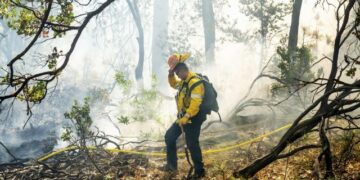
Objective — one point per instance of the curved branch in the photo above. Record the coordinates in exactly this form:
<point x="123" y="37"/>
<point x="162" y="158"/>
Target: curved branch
<point x="37" y="35"/>
<point x="293" y="152"/>
<point x="55" y="72"/>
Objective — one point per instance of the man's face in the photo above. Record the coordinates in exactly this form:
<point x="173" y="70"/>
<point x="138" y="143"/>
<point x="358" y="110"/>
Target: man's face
<point x="182" y="73"/>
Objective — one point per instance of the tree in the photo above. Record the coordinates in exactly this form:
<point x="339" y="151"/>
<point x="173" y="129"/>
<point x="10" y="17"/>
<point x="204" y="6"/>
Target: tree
<point x="269" y="14"/>
<point x="295" y="62"/>
<point x="209" y="29"/>
<point x="338" y="98"/>
<point x="294" y="27"/>
<point x="136" y="16"/>
<point x="81" y="122"/>
<point x="159" y="40"/>
<point x="40" y="20"/>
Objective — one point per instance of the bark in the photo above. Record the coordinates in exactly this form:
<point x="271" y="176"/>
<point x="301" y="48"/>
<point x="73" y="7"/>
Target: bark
<point x="136" y="16"/>
<point x="326" y="151"/>
<point x="209" y="29"/>
<point x="294" y="27"/>
<point x="293" y="35"/>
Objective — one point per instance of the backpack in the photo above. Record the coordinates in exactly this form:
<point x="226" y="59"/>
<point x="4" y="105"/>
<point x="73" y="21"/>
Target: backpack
<point x="209" y="102"/>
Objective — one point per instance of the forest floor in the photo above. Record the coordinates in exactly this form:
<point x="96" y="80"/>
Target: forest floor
<point x="303" y="165"/>
<point x="100" y="164"/>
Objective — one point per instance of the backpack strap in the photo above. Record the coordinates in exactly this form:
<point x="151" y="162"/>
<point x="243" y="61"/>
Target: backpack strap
<point x="189" y="90"/>
<point x="193" y="87"/>
<point x="186" y="84"/>
<point x="220" y="119"/>
<point x="192" y="78"/>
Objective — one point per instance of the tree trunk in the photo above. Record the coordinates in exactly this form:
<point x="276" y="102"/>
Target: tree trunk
<point x="159" y="41"/>
<point x="136" y="16"/>
<point x="294" y="28"/>
<point x="326" y="151"/>
<point x="293" y="39"/>
<point x="209" y="29"/>
<point x="263" y="36"/>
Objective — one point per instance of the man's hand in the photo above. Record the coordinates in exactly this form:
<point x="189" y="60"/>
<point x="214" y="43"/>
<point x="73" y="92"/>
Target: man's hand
<point x="182" y="121"/>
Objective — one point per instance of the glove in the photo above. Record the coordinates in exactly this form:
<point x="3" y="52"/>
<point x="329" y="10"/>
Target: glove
<point x="182" y="121"/>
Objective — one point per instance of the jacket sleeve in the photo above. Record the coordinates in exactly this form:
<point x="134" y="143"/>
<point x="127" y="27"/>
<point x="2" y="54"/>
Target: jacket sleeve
<point x="174" y="83"/>
<point x="196" y="97"/>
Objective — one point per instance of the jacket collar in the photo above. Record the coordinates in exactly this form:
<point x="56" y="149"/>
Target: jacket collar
<point x="190" y="75"/>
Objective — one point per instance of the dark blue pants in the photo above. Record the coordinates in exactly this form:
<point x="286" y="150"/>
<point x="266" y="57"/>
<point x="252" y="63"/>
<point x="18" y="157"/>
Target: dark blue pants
<point x="192" y="134"/>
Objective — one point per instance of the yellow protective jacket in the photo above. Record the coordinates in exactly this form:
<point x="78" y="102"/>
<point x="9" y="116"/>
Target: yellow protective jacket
<point x="189" y="106"/>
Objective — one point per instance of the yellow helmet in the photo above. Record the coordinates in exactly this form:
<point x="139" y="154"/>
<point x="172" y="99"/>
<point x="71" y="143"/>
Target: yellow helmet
<point x="176" y="58"/>
<point x="182" y="57"/>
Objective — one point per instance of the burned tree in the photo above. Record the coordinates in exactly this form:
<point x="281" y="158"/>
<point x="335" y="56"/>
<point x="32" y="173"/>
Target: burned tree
<point x="294" y="27"/>
<point x="339" y="98"/>
<point x="136" y="16"/>
<point x="209" y="29"/>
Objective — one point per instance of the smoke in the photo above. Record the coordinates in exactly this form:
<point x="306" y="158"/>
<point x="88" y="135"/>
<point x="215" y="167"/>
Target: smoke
<point x="109" y="45"/>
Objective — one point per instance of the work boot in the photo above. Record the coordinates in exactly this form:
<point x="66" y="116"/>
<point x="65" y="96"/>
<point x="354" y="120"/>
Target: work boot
<point x="199" y="174"/>
<point x="168" y="168"/>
